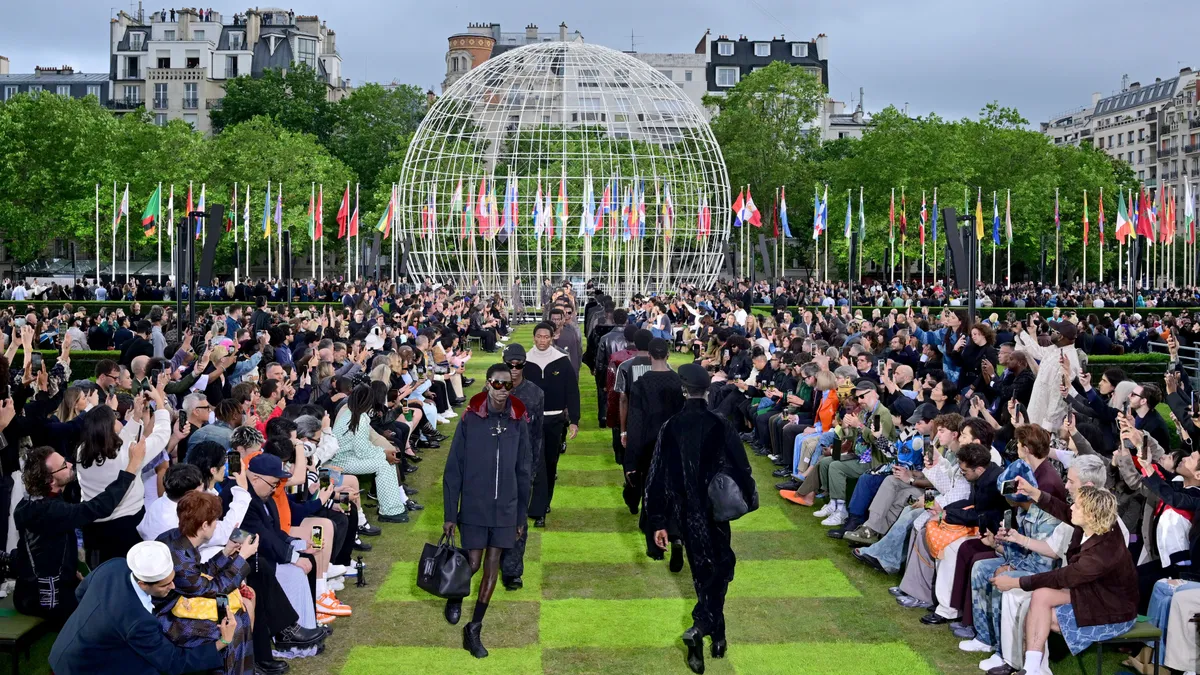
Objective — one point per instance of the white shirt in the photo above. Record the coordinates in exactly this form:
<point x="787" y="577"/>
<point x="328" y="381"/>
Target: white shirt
<point x="94" y="479"/>
<point x="163" y="515"/>
<point x="142" y="596"/>
<point x="18" y="292"/>
<point x="739" y="316"/>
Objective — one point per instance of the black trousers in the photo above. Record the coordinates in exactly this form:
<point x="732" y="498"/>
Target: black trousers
<point x="602" y="398"/>
<point x="487" y="336"/>
<point x="618" y="449"/>
<point x="344" y="527"/>
<point x="512" y="560"/>
<point x="554" y="433"/>
<point x="711" y="581"/>
<point x="110" y="539"/>
<point x="441" y="400"/>
<point x="272" y="612"/>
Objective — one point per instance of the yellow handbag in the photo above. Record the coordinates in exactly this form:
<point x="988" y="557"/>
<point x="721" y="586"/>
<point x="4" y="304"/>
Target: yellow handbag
<point x="205" y="609"/>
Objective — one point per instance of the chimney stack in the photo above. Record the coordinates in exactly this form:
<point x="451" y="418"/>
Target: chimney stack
<point x="531" y="33"/>
<point x="1095" y="98"/>
<point x="3" y="65"/>
<point x="823" y="47"/>
<point x="562" y="32"/>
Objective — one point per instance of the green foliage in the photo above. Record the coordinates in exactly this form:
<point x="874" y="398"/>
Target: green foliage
<point x="1119" y="359"/>
<point x="372" y="124"/>
<point x="297" y="99"/>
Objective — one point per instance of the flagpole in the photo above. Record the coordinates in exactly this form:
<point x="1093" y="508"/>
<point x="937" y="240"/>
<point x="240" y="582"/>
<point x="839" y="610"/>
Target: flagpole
<point x="861" y="239"/>
<point x="158" y="231"/>
<point x="1008" y="236"/>
<point x="358" y="242"/>
<point x="312" y="200"/>
<point x="97" y="234"/>
<point x="127" y="238"/>
<point x="279" y="234"/>
<point x="171" y="227"/>
<point x="922" y="238"/>
<point x="935" y="245"/>
<point x="321" y="220"/>
<point x="235" y="231"/>
<point x="246" y="230"/>
<point x="892" y="235"/>
<point x="995" y="252"/>
<point x="1100" y="270"/>
<point x="1057" y="239"/>
<point x="116" y="219"/>
<point x="1085" y="243"/>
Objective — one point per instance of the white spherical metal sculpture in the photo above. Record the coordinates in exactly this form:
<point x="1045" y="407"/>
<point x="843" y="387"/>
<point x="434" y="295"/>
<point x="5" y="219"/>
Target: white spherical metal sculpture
<point x="583" y="117"/>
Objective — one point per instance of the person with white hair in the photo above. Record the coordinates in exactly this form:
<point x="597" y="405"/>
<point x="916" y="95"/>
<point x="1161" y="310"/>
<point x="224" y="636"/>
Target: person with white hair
<point x="115" y="628"/>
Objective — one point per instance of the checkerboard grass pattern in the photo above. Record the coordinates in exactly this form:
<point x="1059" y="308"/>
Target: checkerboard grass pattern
<point x="594" y="603"/>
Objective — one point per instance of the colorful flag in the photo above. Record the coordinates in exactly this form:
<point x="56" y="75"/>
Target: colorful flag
<point x="188" y="213"/>
<point x="935" y="218"/>
<point x="245" y="210"/>
<point x="1189" y="212"/>
<point x="787" y="232"/>
<point x="739" y="206"/>
<point x="354" y="215"/>
<point x="641" y="208"/>
<point x="153" y="212"/>
<point x="538" y="213"/>
<point x="979" y="215"/>
<point x="1145" y="226"/>
<point x="343" y="213"/>
<point x="755" y="217"/>
<point x="587" y="217"/>
<point x="849" y="216"/>
<point x="456" y="205"/>
<point x="816" y="212"/>
<point x="320" y="229"/>
<point x="561" y="209"/>
<point x="903" y="218"/>
<point x="123" y="209"/>
<point x="1100" y="216"/>
<point x="627" y="214"/>
<point x="385" y="220"/>
<point x="278" y="207"/>
<point x="467" y="229"/>
<point x="825" y="211"/>
<point x="481" y="208"/>
<point x="548" y="215"/>
<point x="506" y="220"/>
<point x="266" y="222"/>
<point x="921" y="230"/>
<point x="312" y="216"/>
<point x="231" y="215"/>
<point x="775" y="215"/>
<point x="704" y="218"/>
<point x="1086" y="224"/>
<point x="668" y="211"/>
<point x="200" y="207"/>
<point x="1124" y="226"/>
<point x="995" y="220"/>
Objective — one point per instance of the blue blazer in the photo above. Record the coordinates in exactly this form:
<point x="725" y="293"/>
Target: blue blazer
<point x="111" y="632"/>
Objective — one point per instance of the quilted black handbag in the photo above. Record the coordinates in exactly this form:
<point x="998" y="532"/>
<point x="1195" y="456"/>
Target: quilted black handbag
<point x="444" y="570"/>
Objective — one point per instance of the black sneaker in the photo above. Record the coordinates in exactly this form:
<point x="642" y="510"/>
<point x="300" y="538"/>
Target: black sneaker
<point x="539" y="522"/>
<point x="298" y="637"/>
<point x="369" y="530"/>
<point x="513" y="584"/>
<point x="410" y="505"/>
<point x="453" y="611"/>
<point x="472" y="640"/>
<point x="398" y="518"/>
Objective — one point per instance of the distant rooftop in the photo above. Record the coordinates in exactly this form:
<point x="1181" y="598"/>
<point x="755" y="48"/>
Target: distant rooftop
<point x="1138" y="96"/>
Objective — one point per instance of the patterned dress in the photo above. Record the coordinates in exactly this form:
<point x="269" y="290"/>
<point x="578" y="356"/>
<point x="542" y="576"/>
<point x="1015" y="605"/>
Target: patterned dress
<point x="221" y="575"/>
<point x="985" y="597"/>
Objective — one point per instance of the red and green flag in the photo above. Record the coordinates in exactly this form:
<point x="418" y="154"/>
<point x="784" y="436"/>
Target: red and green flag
<point x="152" y="213"/>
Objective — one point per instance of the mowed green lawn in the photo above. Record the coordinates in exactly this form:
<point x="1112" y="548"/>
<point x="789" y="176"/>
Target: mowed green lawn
<point x="593" y="603"/>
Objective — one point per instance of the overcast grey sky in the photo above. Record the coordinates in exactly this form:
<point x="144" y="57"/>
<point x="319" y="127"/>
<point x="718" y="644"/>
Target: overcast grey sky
<point x="945" y="56"/>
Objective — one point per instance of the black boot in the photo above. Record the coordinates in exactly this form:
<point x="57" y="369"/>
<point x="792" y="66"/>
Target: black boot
<point x="694" y="640"/>
<point x="718" y="648"/>
<point x="453" y="611"/>
<point x="472" y="641"/>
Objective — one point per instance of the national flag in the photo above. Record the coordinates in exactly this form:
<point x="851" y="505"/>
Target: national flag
<point x="538" y="221"/>
<point x="627" y="214"/>
<point x="752" y="208"/>
<point x="1189" y="212"/>
<point x="1086" y="224"/>
<point x="704" y="218"/>
<point x="429" y="213"/>
<point x="278" y="207"/>
<point x="456" y="206"/>
<point x="561" y="209"/>
<point x="816" y="212"/>
<point x="200" y="207"/>
<point x="979" y="215"/>
<point x="467" y="214"/>
<point x="849" y="222"/>
<point x="787" y="232"/>
<point x="548" y="215"/>
<point x="903" y="218"/>
<point x="935" y="218"/>
<point x="641" y="208"/>
<point x="188" y="213"/>
<point x="1124" y="226"/>
<point x="481" y="208"/>
<point x="995" y="220"/>
<point x="825" y="211"/>
<point x="152" y="213"/>
<point x="739" y="205"/>
<point x="1100" y="216"/>
<point x="892" y="219"/>
<point x="354" y="215"/>
<point x="1145" y="225"/>
<point x="245" y="211"/>
<point x="312" y="216"/>
<point x="921" y="230"/>
<point x="231" y="215"/>
<point x="343" y="213"/>
<point x="862" y="218"/>
<point x="1171" y="217"/>
<point x="506" y="219"/>
<point x="668" y="211"/>
<point x="1152" y="203"/>
<point x="122" y="209"/>
<point x="320" y="228"/>
<point x="385" y="220"/>
<point x="587" y="217"/>
<point x="775" y="215"/>
<point x="266" y="221"/>
<point x="493" y="208"/>
<point x="606" y="201"/>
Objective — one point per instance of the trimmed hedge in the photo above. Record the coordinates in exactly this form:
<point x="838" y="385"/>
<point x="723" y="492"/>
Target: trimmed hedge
<point x="83" y="362"/>
<point x="1119" y="359"/>
<point x="1021" y="312"/>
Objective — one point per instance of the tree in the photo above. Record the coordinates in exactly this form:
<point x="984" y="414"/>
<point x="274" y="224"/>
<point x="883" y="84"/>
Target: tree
<point x="297" y="99"/>
<point x="53" y="151"/>
<point x="372" y="123"/>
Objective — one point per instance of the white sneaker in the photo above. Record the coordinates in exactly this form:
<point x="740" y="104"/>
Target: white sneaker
<point x="335" y="584"/>
<point x="442" y="419"/>
<point x="993" y="661"/>
<point x="824" y="510"/>
<point x="836" y="519"/>
<point x="449" y="414"/>
<point x="335" y="571"/>
<point x="974" y="645"/>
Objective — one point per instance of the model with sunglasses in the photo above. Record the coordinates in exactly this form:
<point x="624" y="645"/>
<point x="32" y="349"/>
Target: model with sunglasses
<point x="485" y="489"/>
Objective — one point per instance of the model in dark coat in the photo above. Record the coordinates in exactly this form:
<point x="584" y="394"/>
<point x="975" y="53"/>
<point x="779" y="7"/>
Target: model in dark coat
<point x="653" y="399"/>
<point x="692" y="447"/>
<point x="512" y="560"/>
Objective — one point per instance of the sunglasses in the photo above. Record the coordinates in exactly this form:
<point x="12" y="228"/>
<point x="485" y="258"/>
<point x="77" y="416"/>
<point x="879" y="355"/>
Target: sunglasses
<point x="516" y="365"/>
<point x="861" y="396"/>
<point x="506" y="385"/>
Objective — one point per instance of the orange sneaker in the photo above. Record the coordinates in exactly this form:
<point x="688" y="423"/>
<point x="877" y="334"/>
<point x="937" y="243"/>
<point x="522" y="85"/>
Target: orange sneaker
<point x="325" y="619"/>
<point x="795" y="498"/>
<point x="329" y="604"/>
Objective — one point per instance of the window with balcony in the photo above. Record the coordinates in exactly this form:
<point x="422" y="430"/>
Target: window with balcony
<point x="10" y="91"/>
<point x="725" y="48"/>
<point x="164" y="62"/>
<point x="132" y="94"/>
<point x="132" y="68"/>
<point x="93" y="90"/>
<point x="191" y="98"/>
<point x="63" y="90"/>
<point x="1120" y="140"/>
<point x="231" y="66"/>
<point x="1131" y="138"/>
<point x="193" y="62"/>
<point x="799" y="50"/>
<point x="136" y="40"/>
<point x="160" y="95"/>
<point x="762" y="49"/>
<point x="306" y="52"/>
<point x="727" y="77"/>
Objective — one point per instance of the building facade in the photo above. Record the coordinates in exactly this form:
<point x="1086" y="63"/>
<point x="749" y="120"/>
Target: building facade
<point x="61" y="80"/>
<point x="1155" y="128"/>
<point x="482" y="41"/>
<point x="176" y="64"/>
